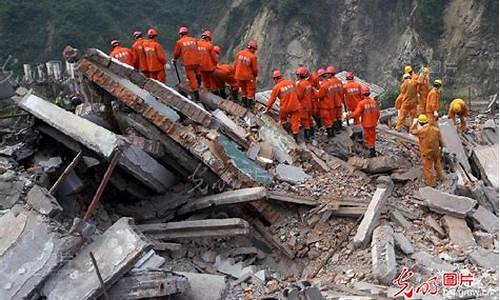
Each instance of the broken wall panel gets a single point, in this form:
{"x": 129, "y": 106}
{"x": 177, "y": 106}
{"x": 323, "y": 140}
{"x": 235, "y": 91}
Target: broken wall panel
{"x": 453, "y": 143}
{"x": 486, "y": 159}
{"x": 282, "y": 143}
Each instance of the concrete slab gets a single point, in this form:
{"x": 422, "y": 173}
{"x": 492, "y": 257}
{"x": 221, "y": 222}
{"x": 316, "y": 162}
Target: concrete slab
{"x": 458, "y": 231}
{"x": 42, "y": 201}
{"x": 453, "y": 143}
{"x": 399, "y": 219}
{"x": 372, "y": 214}
{"x": 411, "y": 174}
{"x": 486, "y": 219}
{"x": 403, "y": 243}
{"x": 10, "y": 192}
{"x": 253, "y": 151}
{"x": 484, "y": 258}
{"x": 384, "y": 265}
{"x": 445, "y": 203}
{"x": 486, "y": 159}
{"x": 281, "y": 142}
{"x": 432, "y": 264}
{"x": 116, "y": 252}
{"x": 204, "y": 286}
{"x": 434, "y": 225}
{"x": 229, "y": 267}
{"x": 231, "y": 129}
{"x": 291, "y": 174}
{"x": 150, "y": 260}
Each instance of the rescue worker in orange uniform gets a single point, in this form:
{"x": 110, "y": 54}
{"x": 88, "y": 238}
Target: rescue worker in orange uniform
{"x": 326, "y": 101}
{"x": 369, "y": 112}
{"x": 125, "y": 55}
{"x": 431, "y": 145}
{"x": 155, "y": 57}
{"x": 352, "y": 94}
{"x": 433, "y": 102}
{"x": 458, "y": 107}
{"x": 408, "y": 98}
{"x": 314, "y": 79}
{"x": 208, "y": 60}
{"x": 140, "y": 62}
{"x": 286, "y": 91}
{"x": 423, "y": 89}
{"x": 246, "y": 69}
{"x": 409, "y": 70}
{"x": 338, "y": 97}
{"x": 186, "y": 48}
{"x": 305, "y": 94}
{"x": 224, "y": 74}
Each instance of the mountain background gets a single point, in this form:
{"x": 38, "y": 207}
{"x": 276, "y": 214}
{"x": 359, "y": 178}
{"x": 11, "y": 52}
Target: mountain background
{"x": 458, "y": 39}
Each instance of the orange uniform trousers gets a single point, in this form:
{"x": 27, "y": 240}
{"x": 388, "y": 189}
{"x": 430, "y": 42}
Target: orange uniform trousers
{"x": 406, "y": 111}
{"x": 208, "y": 80}
{"x": 306, "y": 118}
{"x": 158, "y": 75}
{"x": 293, "y": 118}
{"x": 327, "y": 117}
{"x": 370, "y": 136}
{"x": 191, "y": 72}
{"x": 337, "y": 111}
{"x": 432, "y": 161}
{"x": 248, "y": 88}
{"x": 432, "y": 119}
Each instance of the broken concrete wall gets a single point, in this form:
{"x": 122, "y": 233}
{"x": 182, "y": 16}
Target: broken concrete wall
{"x": 486, "y": 159}
{"x": 282, "y": 143}
{"x": 452, "y": 142}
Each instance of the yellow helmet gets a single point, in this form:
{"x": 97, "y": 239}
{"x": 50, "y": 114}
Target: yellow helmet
{"x": 408, "y": 69}
{"x": 438, "y": 81}
{"x": 456, "y": 107}
{"x": 426, "y": 71}
{"x": 406, "y": 76}
{"x": 422, "y": 119}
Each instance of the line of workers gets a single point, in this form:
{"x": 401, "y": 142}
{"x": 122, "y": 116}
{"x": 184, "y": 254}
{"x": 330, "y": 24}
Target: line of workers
{"x": 317, "y": 98}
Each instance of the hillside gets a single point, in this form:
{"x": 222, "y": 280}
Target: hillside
{"x": 457, "y": 38}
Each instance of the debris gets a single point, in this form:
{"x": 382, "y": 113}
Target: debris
{"x": 372, "y": 214}
{"x": 196, "y": 229}
{"x": 10, "y": 191}
{"x": 445, "y": 203}
{"x": 486, "y": 219}
{"x": 432, "y": 223}
{"x": 485, "y": 159}
{"x": 204, "y": 286}
{"x": 459, "y": 232}
{"x": 432, "y": 264}
{"x": 42, "y": 201}
{"x": 383, "y": 257}
{"x": 398, "y": 218}
{"x": 411, "y": 174}
{"x": 375, "y": 165}
{"x": 146, "y": 284}
{"x": 400, "y": 135}
{"x": 403, "y": 243}
{"x": 302, "y": 200}
{"x": 452, "y": 142}
{"x": 67, "y": 171}
{"x": 281, "y": 142}
{"x": 149, "y": 261}
{"x": 484, "y": 258}
{"x": 231, "y": 129}
{"x": 51, "y": 164}
{"x": 77, "y": 280}
{"x": 261, "y": 229}
{"x": 236, "y": 270}
{"x": 160, "y": 246}
{"x": 291, "y": 174}
{"x": 253, "y": 151}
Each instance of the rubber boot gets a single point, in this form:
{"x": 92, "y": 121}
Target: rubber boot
{"x": 234, "y": 96}
{"x": 196, "y": 96}
{"x": 198, "y": 79}
{"x": 373, "y": 153}
{"x": 222, "y": 93}
{"x": 296, "y": 137}
{"x": 337, "y": 125}
{"x": 317, "y": 120}
{"x": 330, "y": 131}
{"x": 251, "y": 103}
{"x": 306, "y": 135}
{"x": 288, "y": 127}
{"x": 340, "y": 125}
{"x": 244, "y": 101}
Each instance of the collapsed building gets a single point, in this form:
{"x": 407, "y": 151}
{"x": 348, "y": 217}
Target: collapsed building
{"x": 141, "y": 193}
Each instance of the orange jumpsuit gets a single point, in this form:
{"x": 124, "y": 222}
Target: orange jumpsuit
{"x": 314, "y": 80}
{"x": 409, "y": 101}
{"x": 155, "y": 60}
{"x": 326, "y": 103}
{"x": 423, "y": 91}
{"x": 352, "y": 96}
{"x": 125, "y": 55}
{"x": 286, "y": 91}
{"x": 246, "y": 70}
{"x": 432, "y": 104}
{"x": 369, "y": 112}
{"x": 140, "y": 62}
{"x": 431, "y": 143}
{"x": 223, "y": 74}
{"x": 338, "y": 98}
{"x": 187, "y": 49}
{"x": 305, "y": 94}
{"x": 208, "y": 61}
{"x": 464, "y": 112}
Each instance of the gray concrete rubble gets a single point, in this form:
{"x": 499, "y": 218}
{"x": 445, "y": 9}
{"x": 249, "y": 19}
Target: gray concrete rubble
{"x": 372, "y": 214}
{"x": 383, "y": 256}
{"x": 452, "y": 142}
{"x": 10, "y": 192}
{"x": 31, "y": 250}
{"x": 405, "y": 137}
{"x": 445, "y": 203}
{"x": 226, "y": 198}
{"x": 42, "y": 201}
{"x": 196, "y": 229}
{"x": 486, "y": 160}
{"x": 77, "y": 279}
{"x": 263, "y": 96}
{"x": 204, "y": 286}
{"x": 487, "y": 196}
{"x": 434, "y": 225}
{"x": 432, "y": 264}
{"x": 302, "y": 200}
{"x": 486, "y": 219}
{"x": 399, "y": 219}
{"x": 408, "y": 175}
{"x": 100, "y": 140}
{"x": 484, "y": 258}
{"x": 403, "y": 243}
{"x": 375, "y": 165}
{"x": 458, "y": 231}
{"x": 291, "y": 174}
{"x": 150, "y": 260}
{"x": 281, "y": 142}
{"x": 146, "y": 284}
{"x": 229, "y": 267}
{"x": 375, "y": 90}
{"x": 231, "y": 129}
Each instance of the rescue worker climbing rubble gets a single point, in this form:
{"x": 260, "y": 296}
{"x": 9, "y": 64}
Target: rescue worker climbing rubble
{"x": 352, "y": 95}
{"x": 326, "y": 102}
{"x": 286, "y": 91}
{"x": 314, "y": 79}
{"x": 186, "y": 48}
{"x": 246, "y": 70}
{"x": 224, "y": 74}
{"x": 140, "y": 62}
{"x": 423, "y": 89}
{"x": 338, "y": 97}
{"x": 155, "y": 57}
{"x": 431, "y": 145}
{"x": 208, "y": 60}
{"x": 369, "y": 112}
{"x": 123, "y": 54}
{"x": 458, "y": 108}
{"x": 409, "y": 99}
{"x": 433, "y": 102}
{"x": 305, "y": 95}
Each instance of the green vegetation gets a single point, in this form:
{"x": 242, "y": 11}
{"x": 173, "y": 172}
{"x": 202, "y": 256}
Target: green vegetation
{"x": 429, "y": 18}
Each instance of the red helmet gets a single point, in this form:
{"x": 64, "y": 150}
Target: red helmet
{"x": 252, "y": 44}
{"x": 183, "y": 30}
{"x": 152, "y": 32}
{"x": 217, "y": 49}
{"x": 115, "y": 43}
{"x": 137, "y": 34}
{"x": 321, "y": 72}
{"x": 349, "y": 75}
{"x": 365, "y": 90}
{"x": 331, "y": 70}
{"x": 302, "y": 71}
{"x": 207, "y": 34}
{"x": 276, "y": 74}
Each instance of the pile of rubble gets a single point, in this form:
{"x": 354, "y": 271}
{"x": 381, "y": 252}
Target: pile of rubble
{"x": 145, "y": 194}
